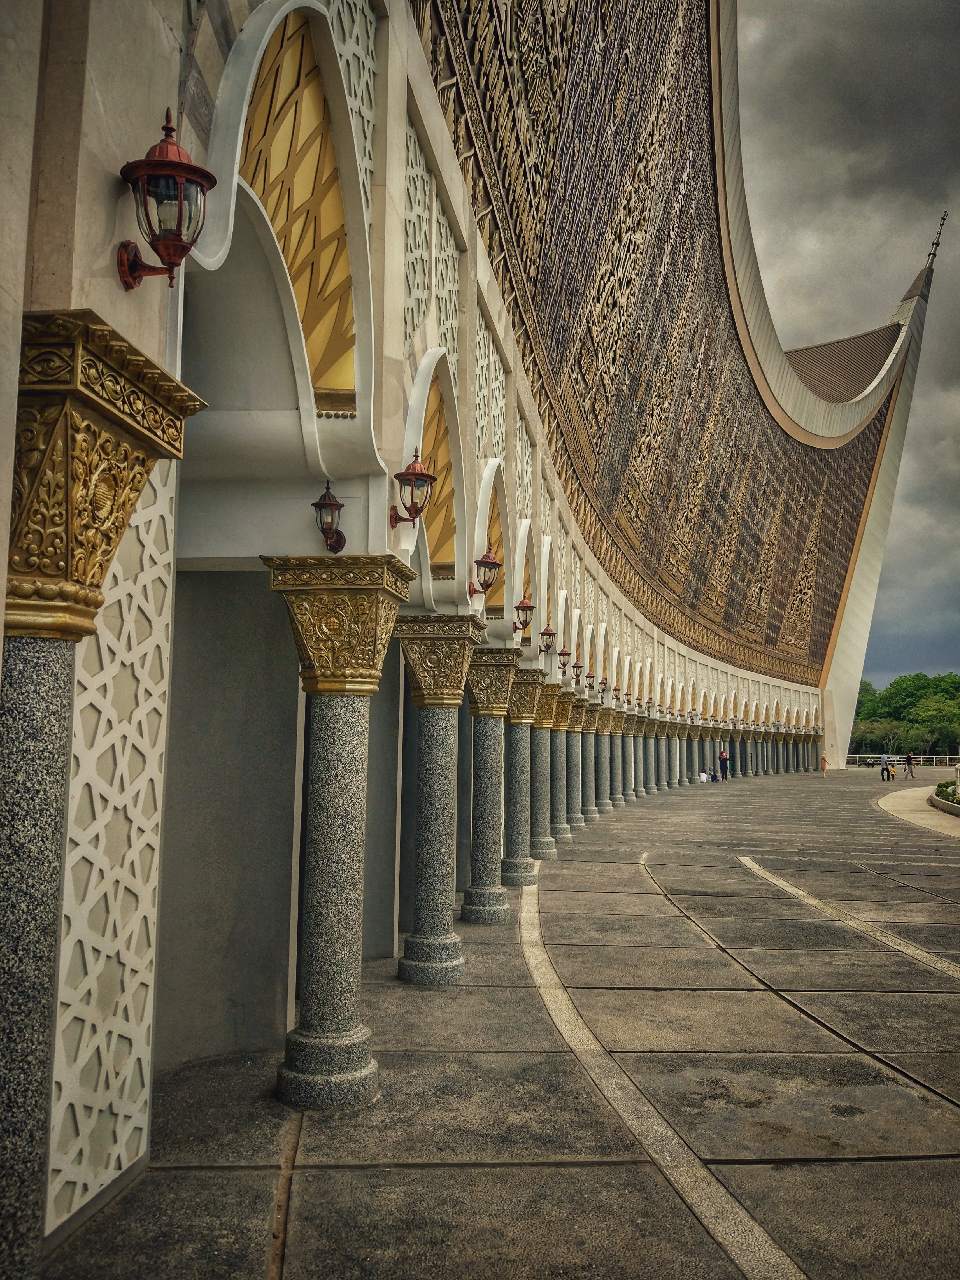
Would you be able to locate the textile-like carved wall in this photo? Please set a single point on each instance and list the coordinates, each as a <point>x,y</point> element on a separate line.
<point>585,136</point>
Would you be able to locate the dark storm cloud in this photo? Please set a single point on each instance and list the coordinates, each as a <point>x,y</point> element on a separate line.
<point>849,111</point>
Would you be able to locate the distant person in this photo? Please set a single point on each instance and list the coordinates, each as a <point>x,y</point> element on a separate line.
<point>823,766</point>
<point>704,778</point>
<point>884,768</point>
<point>714,776</point>
<point>908,766</point>
<point>724,765</point>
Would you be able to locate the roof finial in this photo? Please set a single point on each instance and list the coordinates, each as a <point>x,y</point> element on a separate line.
<point>936,240</point>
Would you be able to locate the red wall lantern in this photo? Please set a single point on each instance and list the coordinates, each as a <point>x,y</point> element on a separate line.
<point>487,567</point>
<point>547,637</point>
<point>591,681</point>
<point>416,485</point>
<point>577,670</point>
<point>328,508</point>
<point>524,611</point>
<point>170,193</point>
<point>564,659</point>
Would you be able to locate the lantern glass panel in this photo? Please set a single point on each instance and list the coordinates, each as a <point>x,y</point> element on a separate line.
<point>161,206</point>
<point>194,200</point>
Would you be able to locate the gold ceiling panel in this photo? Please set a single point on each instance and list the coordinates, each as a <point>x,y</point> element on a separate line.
<point>288,160</point>
<point>440,515</point>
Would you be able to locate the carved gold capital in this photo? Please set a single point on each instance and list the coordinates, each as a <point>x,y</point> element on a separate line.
<point>93,417</point>
<point>490,679</point>
<point>618,721</point>
<point>563,708</point>
<point>546,706</point>
<point>342,612</point>
<point>630,723</point>
<point>577,713</point>
<point>524,696</point>
<point>590,717</point>
<point>437,649</point>
<point>604,720</point>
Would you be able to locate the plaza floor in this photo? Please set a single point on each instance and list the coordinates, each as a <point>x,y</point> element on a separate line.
<point>721,1038</point>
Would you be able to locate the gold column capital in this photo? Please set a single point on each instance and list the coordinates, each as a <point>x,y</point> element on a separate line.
<point>618,721</point>
<point>525,695</point>
<point>342,611</point>
<point>546,705</point>
<point>563,709</point>
<point>490,678</point>
<point>577,713</point>
<point>590,715</point>
<point>93,417</point>
<point>630,719</point>
<point>604,720</point>
<point>437,648</point>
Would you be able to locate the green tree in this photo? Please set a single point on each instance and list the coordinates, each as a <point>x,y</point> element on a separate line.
<point>866,701</point>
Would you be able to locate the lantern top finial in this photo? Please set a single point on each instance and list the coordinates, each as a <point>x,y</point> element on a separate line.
<point>168,148</point>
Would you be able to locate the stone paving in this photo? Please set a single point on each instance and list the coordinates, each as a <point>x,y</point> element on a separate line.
<point>673,1066</point>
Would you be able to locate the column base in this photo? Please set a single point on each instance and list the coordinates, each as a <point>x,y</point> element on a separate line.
<point>543,848</point>
<point>604,806</point>
<point>517,872</point>
<point>618,802</point>
<point>629,797</point>
<point>561,832</point>
<point>319,1072</point>
<point>591,815</point>
<point>486,906</point>
<point>431,962</point>
<point>682,782</point>
<point>576,820</point>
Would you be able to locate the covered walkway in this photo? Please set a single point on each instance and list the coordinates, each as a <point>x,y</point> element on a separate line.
<point>720,1038</point>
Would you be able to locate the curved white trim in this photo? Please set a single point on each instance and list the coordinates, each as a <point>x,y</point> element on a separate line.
<point>797,409</point>
<point>356,453</point>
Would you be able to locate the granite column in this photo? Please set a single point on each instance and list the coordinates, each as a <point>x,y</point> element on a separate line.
<point>616,760</point>
<point>575,817</point>
<point>518,866</point>
<point>629,779</point>
<point>437,650</point>
<point>604,722</point>
<point>489,679</point>
<point>588,762</point>
<point>327,1060</point>
<point>559,826</point>
<point>542,844</point>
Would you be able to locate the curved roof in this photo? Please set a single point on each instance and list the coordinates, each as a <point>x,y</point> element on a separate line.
<point>811,396</point>
<point>843,369</point>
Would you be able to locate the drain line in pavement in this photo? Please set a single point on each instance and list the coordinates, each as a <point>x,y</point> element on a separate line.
<point>836,912</point>
<point>739,1235</point>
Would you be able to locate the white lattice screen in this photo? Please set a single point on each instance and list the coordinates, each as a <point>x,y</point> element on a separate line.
<point>107,960</point>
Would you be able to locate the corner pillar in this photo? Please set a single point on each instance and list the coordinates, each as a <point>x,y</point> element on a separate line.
<point>93,418</point>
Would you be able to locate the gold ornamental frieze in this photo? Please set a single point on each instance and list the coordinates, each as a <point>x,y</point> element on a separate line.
<point>490,679</point>
<point>563,708</point>
<point>604,720</point>
<point>437,650</point>
<point>590,715</point>
<point>577,713</point>
<point>342,612</point>
<point>546,706</point>
<point>525,695</point>
<point>93,417</point>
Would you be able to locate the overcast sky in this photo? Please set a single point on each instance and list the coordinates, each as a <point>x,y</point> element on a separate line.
<point>851,151</point>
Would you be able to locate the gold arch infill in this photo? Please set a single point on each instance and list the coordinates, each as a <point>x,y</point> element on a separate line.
<point>288,161</point>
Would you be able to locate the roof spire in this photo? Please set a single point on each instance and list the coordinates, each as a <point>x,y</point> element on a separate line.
<point>936,240</point>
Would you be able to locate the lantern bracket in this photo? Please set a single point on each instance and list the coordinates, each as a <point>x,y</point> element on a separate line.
<point>132,269</point>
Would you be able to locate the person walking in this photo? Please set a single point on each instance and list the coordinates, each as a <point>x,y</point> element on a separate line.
<point>884,767</point>
<point>908,766</point>
<point>724,765</point>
